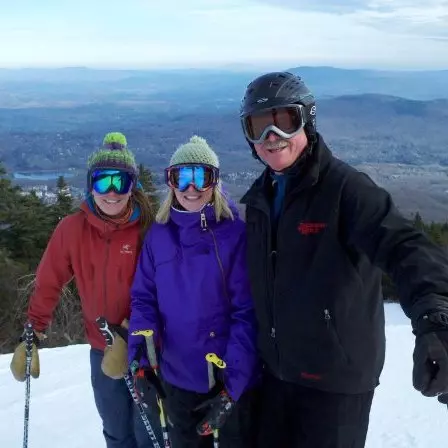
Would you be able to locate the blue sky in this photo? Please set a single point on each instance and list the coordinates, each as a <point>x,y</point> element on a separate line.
<point>195,33</point>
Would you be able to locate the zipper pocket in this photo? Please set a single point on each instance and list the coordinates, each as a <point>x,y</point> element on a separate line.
<point>335,336</point>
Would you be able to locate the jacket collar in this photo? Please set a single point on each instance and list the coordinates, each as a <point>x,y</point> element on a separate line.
<point>103,226</point>
<point>201,218</point>
<point>186,219</point>
<point>304,174</point>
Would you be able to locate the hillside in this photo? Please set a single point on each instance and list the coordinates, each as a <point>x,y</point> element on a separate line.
<point>361,129</point>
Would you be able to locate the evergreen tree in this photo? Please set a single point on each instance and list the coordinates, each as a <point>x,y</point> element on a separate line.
<point>25,223</point>
<point>418,222</point>
<point>11,309</point>
<point>435,233</point>
<point>148,185</point>
<point>64,201</point>
<point>444,232</point>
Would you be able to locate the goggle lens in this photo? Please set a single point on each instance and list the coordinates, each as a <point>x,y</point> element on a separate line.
<point>202,177</point>
<point>286,121</point>
<point>112,180</point>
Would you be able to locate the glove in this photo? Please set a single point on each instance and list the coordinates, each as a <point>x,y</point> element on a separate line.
<point>144,379</point>
<point>430,372</point>
<point>137,352</point>
<point>18,361</point>
<point>142,385</point>
<point>115,360</point>
<point>220,407</point>
<point>443,398</point>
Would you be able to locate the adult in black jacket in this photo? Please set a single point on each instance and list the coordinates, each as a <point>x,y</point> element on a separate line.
<point>320,234</point>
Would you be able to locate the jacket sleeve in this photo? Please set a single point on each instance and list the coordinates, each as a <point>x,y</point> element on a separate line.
<point>144,306</point>
<point>241,353</point>
<point>53,272</point>
<point>418,267</point>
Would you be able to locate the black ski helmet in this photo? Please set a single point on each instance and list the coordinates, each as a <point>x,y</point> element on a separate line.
<point>278,89</point>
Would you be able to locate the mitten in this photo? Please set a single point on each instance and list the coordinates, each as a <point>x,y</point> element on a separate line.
<point>115,359</point>
<point>18,361</point>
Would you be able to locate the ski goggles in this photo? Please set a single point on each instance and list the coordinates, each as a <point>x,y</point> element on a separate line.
<point>104,181</point>
<point>201,177</point>
<point>285,121</point>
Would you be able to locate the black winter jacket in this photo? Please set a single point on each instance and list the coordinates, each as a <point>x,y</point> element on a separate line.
<point>317,289</point>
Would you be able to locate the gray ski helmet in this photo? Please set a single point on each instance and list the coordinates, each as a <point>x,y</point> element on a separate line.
<point>277,89</point>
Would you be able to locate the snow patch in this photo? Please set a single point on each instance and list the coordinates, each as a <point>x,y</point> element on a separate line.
<point>63,413</point>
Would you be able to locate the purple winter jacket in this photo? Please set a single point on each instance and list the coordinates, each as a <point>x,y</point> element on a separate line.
<point>191,288</point>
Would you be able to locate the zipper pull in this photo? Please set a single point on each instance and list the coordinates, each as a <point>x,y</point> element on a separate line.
<point>203,221</point>
<point>273,333</point>
<point>327,317</point>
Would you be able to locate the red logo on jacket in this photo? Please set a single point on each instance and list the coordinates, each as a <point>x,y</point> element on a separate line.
<point>311,228</point>
<point>311,376</point>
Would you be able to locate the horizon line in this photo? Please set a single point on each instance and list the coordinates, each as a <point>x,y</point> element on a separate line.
<point>223,67</point>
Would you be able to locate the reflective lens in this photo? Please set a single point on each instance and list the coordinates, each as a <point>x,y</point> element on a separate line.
<point>285,121</point>
<point>104,181</point>
<point>202,177</point>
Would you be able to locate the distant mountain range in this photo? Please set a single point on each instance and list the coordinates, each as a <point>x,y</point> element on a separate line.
<point>330,81</point>
<point>68,86</point>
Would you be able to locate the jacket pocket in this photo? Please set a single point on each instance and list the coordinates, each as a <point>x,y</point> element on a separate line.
<point>334,335</point>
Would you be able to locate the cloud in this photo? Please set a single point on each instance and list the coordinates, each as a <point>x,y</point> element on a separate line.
<point>326,6</point>
<point>404,16</point>
<point>428,19</point>
<point>439,38</point>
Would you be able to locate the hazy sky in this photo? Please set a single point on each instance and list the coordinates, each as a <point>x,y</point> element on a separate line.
<point>193,33</point>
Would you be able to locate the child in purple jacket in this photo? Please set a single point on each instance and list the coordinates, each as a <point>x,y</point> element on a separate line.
<point>191,288</point>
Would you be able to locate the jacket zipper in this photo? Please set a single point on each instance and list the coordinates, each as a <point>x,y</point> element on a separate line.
<point>274,268</point>
<point>327,317</point>
<point>271,275</point>
<point>106,261</point>
<point>203,222</point>
<point>273,259</point>
<point>205,227</point>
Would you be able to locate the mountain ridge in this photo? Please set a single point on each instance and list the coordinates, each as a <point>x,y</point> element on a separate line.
<point>324,80</point>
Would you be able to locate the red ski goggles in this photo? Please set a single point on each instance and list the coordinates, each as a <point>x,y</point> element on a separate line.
<point>201,177</point>
<point>104,181</point>
<point>285,121</point>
